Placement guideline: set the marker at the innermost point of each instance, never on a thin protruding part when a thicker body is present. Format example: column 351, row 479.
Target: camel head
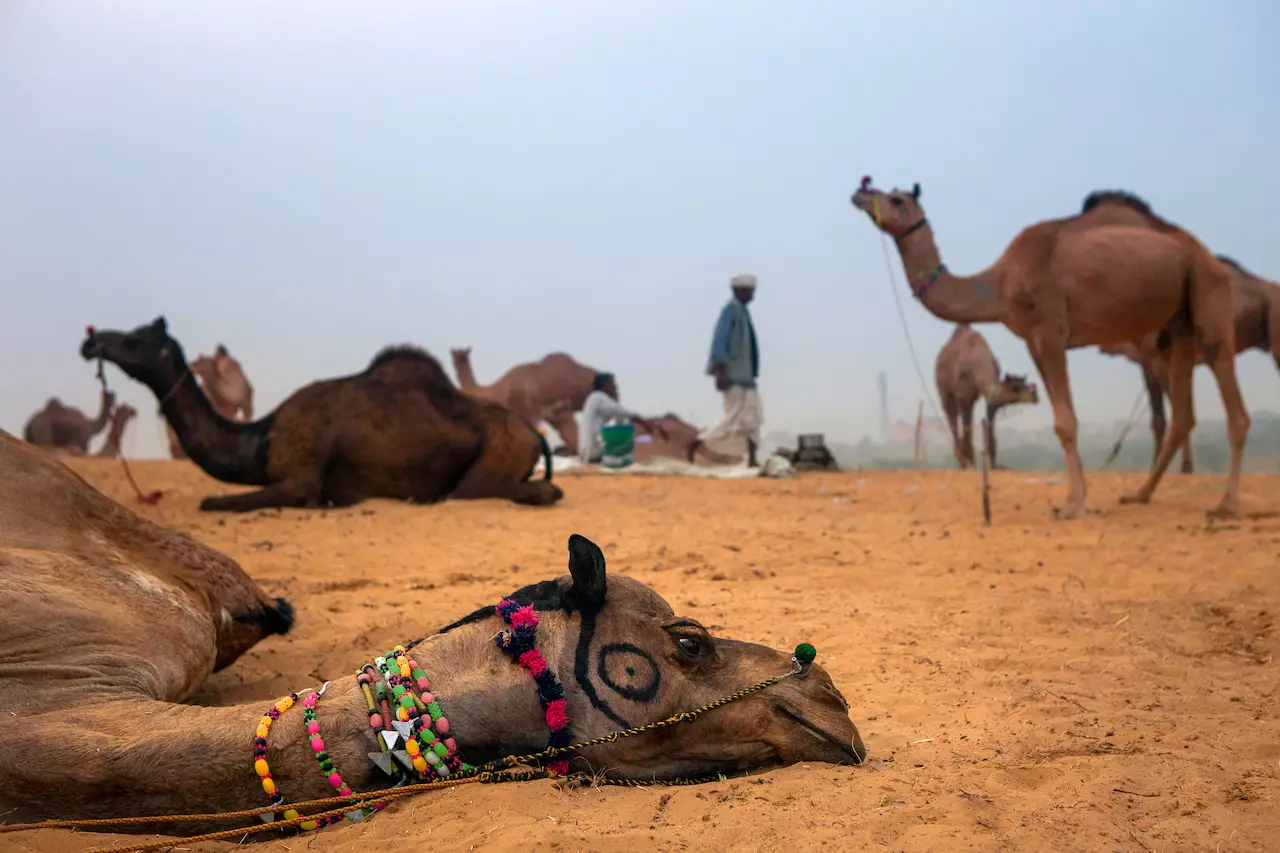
column 460, row 355
column 896, row 212
column 1015, row 389
column 124, row 413
column 625, row 659
column 146, row 354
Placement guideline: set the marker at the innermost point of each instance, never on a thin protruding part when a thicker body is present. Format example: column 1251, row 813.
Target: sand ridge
column 1101, row 684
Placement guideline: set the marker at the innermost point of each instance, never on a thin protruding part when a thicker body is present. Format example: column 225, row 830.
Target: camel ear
column 586, row 565
column 221, row 350
column 915, row 191
column 159, row 326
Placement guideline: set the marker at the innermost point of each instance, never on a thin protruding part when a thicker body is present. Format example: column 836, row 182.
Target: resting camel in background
column 66, row 429
column 223, row 381
column 673, row 439
column 535, row 390
column 120, row 417
column 967, row 371
column 400, row 429
column 1073, row 282
column 165, row 611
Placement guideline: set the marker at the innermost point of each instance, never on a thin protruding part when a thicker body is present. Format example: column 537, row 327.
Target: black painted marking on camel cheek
column 621, row 667
column 582, row 671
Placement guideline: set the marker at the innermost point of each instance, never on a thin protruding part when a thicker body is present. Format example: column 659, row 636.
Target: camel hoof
column 1135, row 498
column 1222, row 511
column 1068, row 512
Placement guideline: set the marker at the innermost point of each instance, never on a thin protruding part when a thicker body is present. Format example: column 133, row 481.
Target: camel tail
column 546, row 455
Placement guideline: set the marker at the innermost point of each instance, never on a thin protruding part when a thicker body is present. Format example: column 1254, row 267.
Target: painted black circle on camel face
column 629, row 671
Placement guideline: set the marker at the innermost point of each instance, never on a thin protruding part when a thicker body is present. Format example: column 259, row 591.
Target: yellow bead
column 290, row 814
column 411, row 747
column 308, row 825
column 419, row 764
column 269, row 786
column 402, row 660
column 402, row 714
column 261, row 732
column 260, row 766
column 404, row 671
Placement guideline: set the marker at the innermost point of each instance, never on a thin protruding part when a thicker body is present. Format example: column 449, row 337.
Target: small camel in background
column 534, row 390
column 1071, row 282
column 65, row 428
column 223, row 381
column 120, row 418
column 966, row 372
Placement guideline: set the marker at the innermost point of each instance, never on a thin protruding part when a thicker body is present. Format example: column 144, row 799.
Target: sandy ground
column 1104, row 684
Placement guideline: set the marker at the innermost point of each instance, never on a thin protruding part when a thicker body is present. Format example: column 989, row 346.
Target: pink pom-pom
column 423, row 684
column 557, row 715
column 450, row 744
column 442, row 726
column 375, row 721
column 317, row 744
column 427, row 698
column 560, row 767
column 335, row 780
column 524, row 616
column 345, row 791
column 313, row 728
column 532, row 660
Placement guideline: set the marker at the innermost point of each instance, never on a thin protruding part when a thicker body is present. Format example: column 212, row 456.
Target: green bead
column 805, row 653
column 398, row 691
column 434, row 710
column 440, row 749
column 406, row 702
column 419, row 673
column 382, row 690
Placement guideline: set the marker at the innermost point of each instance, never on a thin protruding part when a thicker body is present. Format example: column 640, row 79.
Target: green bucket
column 619, row 445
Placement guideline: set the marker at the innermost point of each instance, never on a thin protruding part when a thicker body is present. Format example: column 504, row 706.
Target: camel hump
column 409, row 360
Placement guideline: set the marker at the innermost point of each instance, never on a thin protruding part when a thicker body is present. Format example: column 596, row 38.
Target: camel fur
column 65, row 428
column 400, row 429
column 967, row 371
column 1068, row 283
column 120, row 417
column 166, row 611
column 223, row 381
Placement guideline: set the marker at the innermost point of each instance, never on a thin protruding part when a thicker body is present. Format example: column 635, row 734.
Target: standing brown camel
column 400, row 430
column 533, row 388
column 63, row 428
column 966, row 372
column 120, row 417
column 1067, row 283
column 224, row 383
column 679, row 436
column 164, row 611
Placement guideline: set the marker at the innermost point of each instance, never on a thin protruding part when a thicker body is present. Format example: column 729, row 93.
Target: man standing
column 601, row 407
column 735, row 364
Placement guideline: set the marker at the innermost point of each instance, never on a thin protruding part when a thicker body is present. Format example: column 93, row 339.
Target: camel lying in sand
column 66, row 429
column 1072, row 282
column 967, row 371
column 400, row 430
column 672, row 441
column 534, row 390
column 223, row 381
column 94, row 731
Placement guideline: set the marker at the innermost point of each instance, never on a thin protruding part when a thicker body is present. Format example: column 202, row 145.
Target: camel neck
column 226, row 450
column 958, row 299
column 111, row 447
column 466, row 376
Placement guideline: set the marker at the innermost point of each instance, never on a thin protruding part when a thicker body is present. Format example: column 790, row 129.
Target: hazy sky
column 307, row 182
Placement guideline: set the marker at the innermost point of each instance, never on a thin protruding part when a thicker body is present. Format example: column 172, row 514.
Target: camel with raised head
column 167, row 611
column 966, row 372
column 120, row 417
column 533, row 388
column 65, row 428
column 223, row 381
column 672, row 440
column 399, row 429
column 1068, row 283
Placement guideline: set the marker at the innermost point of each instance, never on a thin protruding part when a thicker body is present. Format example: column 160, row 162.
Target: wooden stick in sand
column 986, row 463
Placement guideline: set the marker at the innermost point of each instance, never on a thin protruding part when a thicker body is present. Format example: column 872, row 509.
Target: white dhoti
column 743, row 417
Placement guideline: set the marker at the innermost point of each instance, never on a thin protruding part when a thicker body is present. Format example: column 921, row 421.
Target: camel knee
column 538, row 493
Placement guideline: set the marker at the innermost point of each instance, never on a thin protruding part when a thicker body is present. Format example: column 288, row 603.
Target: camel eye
column 690, row 646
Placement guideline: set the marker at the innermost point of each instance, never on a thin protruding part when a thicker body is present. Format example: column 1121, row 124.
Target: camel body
column 535, row 390
column 120, row 418
column 1073, row 282
column 400, row 429
column 223, row 381
column 679, row 436
column 165, row 611
column 66, row 429
column 967, row 371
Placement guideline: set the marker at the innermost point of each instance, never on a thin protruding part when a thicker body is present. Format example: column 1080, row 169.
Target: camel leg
column 1224, row 370
column 952, row 413
column 966, row 425
column 1188, row 466
column 1155, row 399
column 1182, row 361
column 288, row 494
column 485, row 479
column 1051, row 362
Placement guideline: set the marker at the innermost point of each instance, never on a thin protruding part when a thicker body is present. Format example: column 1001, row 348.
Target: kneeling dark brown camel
column 164, row 611
column 400, row 430
column 967, row 371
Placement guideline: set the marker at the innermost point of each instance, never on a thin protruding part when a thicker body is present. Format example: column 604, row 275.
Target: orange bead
column 268, row 785
column 419, row 764
column 261, row 767
column 411, row 747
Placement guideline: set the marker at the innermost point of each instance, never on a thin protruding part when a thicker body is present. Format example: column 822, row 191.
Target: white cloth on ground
column 598, row 409
column 743, row 417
